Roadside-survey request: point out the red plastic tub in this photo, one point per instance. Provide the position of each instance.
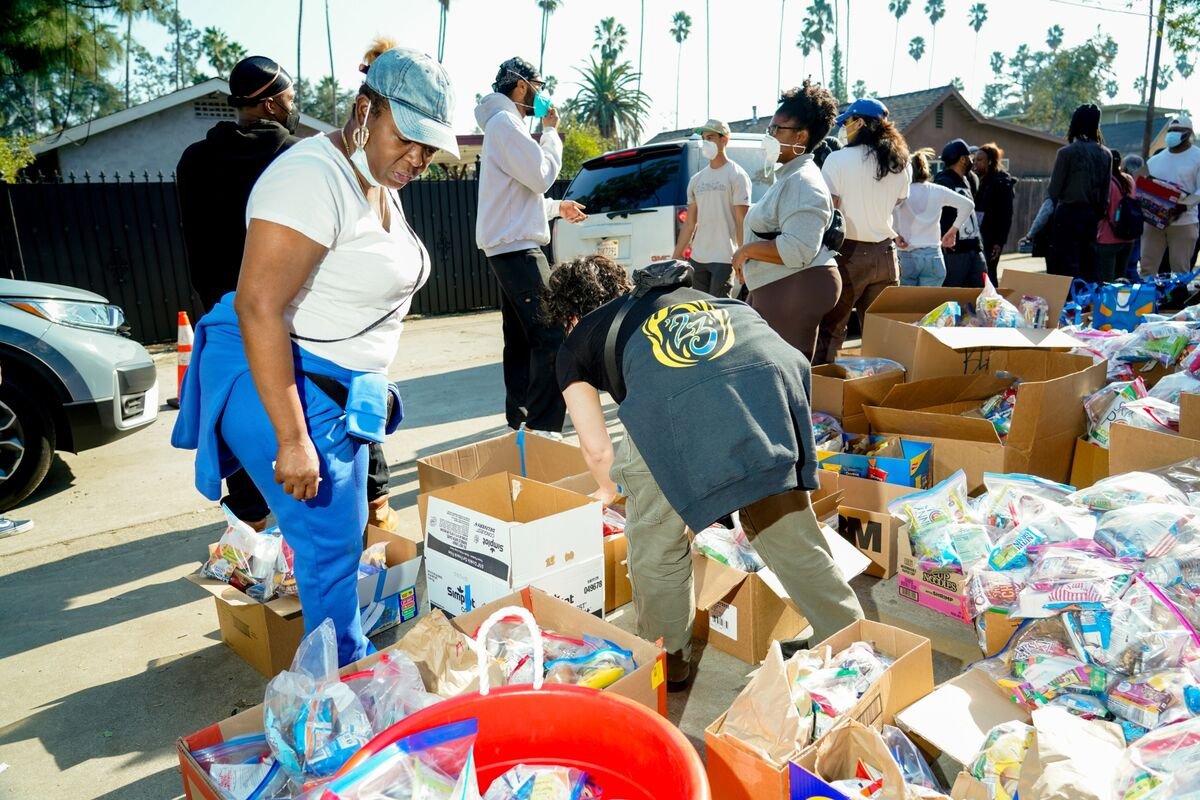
(630, 752)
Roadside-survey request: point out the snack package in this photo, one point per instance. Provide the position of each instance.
(1161, 342)
(248, 560)
(1011, 551)
(1141, 632)
(1162, 765)
(863, 367)
(947, 315)
(1013, 498)
(998, 764)
(728, 547)
(1104, 407)
(1151, 700)
(998, 409)
(992, 590)
(1178, 568)
(926, 511)
(597, 670)
(1128, 489)
(828, 432)
(1150, 413)
(435, 764)
(1148, 530)
(993, 311)
(1035, 312)
(1076, 575)
(1171, 386)
(524, 782)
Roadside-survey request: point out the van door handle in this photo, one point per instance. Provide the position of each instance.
(615, 214)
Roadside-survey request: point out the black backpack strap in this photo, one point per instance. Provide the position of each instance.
(661, 275)
(616, 380)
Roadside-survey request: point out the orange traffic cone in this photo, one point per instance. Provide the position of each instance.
(183, 350)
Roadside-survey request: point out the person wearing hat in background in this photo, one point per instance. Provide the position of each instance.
(1179, 163)
(965, 264)
(718, 199)
(214, 178)
(993, 204)
(289, 376)
(1079, 189)
(513, 224)
(868, 179)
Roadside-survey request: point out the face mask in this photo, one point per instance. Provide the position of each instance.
(359, 157)
(1175, 138)
(846, 136)
(708, 149)
(771, 149)
(293, 120)
(541, 104)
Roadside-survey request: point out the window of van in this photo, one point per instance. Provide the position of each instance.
(646, 177)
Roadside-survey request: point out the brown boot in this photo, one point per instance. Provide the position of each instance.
(381, 515)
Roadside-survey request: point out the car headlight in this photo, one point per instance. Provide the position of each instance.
(93, 316)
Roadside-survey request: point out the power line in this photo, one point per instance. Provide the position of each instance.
(1096, 7)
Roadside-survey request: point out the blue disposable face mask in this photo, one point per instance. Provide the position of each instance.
(541, 100)
(1175, 138)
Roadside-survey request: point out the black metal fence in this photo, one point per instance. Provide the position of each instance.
(120, 236)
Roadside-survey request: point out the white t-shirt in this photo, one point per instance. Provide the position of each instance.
(1184, 169)
(367, 271)
(715, 192)
(867, 203)
(919, 218)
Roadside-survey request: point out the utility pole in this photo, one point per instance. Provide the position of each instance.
(299, 28)
(1147, 132)
(707, 62)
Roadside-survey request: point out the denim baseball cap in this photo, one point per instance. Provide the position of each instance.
(867, 108)
(420, 95)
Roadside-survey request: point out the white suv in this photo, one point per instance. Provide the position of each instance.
(636, 199)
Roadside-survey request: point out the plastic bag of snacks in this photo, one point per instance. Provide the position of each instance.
(243, 767)
(947, 315)
(1152, 700)
(993, 311)
(863, 367)
(1148, 530)
(933, 508)
(524, 782)
(435, 764)
(1162, 765)
(583, 661)
(912, 763)
(827, 431)
(1152, 414)
(314, 722)
(1011, 498)
(728, 547)
(596, 670)
(998, 765)
(1104, 407)
(1163, 342)
(1128, 489)
(998, 410)
(1141, 632)
(1000, 591)
(1171, 386)
(253, 562)
(393, 692)
(1035, 311)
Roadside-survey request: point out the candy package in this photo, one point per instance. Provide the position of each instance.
(1104, 407)
(998, 764)
(992, 590)
(728, 547)
(1148, 530)
(1161, 342)
(1012, 549)
(1151, 414)
(435, 764)
(828, 432)
(597, 670)
(993, 311)
(947, 315)
(863, 367)
(1151, 700)
(1012, 498)
(933, 508)
(1035, 311)
(1162, 765)
(524, 782)
(1171, 386)
(248, 560)
(1128, 489)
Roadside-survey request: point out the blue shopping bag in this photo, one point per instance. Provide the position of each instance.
(1123, 306)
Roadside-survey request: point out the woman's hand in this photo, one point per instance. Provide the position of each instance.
(740, 257)
(572, 211)
(901, 242)
(297, 468)
(607, 494)
(950, 239)
(995, 251)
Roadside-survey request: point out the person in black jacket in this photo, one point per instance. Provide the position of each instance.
(993, 204)
(965, 265)
(1079, 189)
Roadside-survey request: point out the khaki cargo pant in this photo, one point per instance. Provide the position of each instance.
(782, 528)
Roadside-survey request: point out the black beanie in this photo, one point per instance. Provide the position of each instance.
(256, 78)
(1086, 118)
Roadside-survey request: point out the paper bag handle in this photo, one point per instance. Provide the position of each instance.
(481, 645)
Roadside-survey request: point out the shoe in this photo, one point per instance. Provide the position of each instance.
(679, 672)
(382, 516)
(11, 527)
(792, 646)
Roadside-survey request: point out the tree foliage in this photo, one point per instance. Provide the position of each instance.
(916, 48)
(15, 155)
(837, 78)
(611, 39)
(610, 100)
(581, 142)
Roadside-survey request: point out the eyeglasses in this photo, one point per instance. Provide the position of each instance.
(774, 129)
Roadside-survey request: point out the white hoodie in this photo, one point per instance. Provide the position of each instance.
(514, 175)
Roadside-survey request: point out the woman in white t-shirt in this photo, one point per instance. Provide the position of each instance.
(918, 225)
(289, 377)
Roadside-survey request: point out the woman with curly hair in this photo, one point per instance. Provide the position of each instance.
(662, 351)
(792, 277)
(868, 179)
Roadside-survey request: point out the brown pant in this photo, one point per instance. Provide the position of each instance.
(867, 269)
(794, 306)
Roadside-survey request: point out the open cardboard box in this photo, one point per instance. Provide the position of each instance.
(521, 453)
(864, 521)
(1047, 419)
(834, 393)
(737, 773)
(266, 635)
(1089, 465)
(890, 330)
(912, 468)
(645, 685)
(1133, 449)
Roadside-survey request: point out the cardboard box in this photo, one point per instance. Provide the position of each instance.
(956, 717)
(1133, 449)
(454, 588)
(1089, 465)
(541, 459)
(889, 331)
(736, 773)
(995, 629)
(864, 521)
(843, 397)
(1189, 416)
(1047, 419)
(646, 685)
(940, 590)
(913, 470)
(266, 635)
(618, 590)
(504, 530)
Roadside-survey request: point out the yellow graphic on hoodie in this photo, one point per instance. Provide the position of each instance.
(684, 335)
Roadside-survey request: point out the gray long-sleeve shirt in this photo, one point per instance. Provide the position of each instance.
(1081, 173)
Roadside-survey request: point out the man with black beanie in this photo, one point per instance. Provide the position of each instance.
(1079, 189)
(965, 265)
(214, 178)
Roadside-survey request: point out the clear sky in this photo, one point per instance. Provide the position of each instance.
(744, 44)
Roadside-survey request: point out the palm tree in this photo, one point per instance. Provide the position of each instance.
(935, 10)
(681, 28)
(1185, 69)
(814, 36)
(916, 48)
(1054, 38)
(611, 38)
(299, 24)
(976, 16)
(222, 52)
(609, 99)
(898, 9)
(548, 7)
(131, 10)
(805, 43)
(334, 119)
(444, 12)
(817, 24)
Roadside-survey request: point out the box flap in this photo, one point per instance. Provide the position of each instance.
(1053, 288)
(283, 606)
(995, 338)
(1133, 449)
(919, 299)
(713, 581)
(936, 392)
(869, 495)
(933, 425)
(957, 716)
(1189, 416)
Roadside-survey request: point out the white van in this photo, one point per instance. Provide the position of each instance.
(636, 199)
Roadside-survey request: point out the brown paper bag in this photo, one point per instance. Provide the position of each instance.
(764, 718)
(1071, 758)
(445, 657)
(843, 747)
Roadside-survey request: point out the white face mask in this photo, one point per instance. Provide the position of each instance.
(359, 157)
(771, 149)
(708, 149)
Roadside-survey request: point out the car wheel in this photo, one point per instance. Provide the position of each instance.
(26, 445)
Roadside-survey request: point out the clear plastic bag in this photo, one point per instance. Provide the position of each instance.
(1151, 414)
(1162, 342)
(828, 432)
(614, 520)
(1058, 565)
(597, 670)
(1171, 386)
(373, 560)
(863, 367)
(1128, 489)
(1152, 700)
(912, 764)
(1012, 498)
(941, 505)
(729, 547)
(993, 311)
(866, 662)
(998, 764)
(947, 315)
(1011, 551)
(992, 590)
(1141, 632)
(1149, 530)
(1104, 407)
(1035, 311)
(247, 560)
(436, 764)
(524, 782)
(1162, 765)
(394, 692)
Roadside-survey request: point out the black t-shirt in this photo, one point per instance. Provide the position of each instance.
(581, 357)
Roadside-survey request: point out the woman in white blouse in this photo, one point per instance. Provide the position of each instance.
(289, 377)
(918, 225)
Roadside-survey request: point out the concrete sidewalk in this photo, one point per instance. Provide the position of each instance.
(107, 654)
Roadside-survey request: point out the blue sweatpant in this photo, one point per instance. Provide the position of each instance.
(325, 532)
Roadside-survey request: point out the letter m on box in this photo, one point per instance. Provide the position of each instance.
(867, 536)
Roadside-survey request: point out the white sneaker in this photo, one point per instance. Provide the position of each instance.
(11, 527)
